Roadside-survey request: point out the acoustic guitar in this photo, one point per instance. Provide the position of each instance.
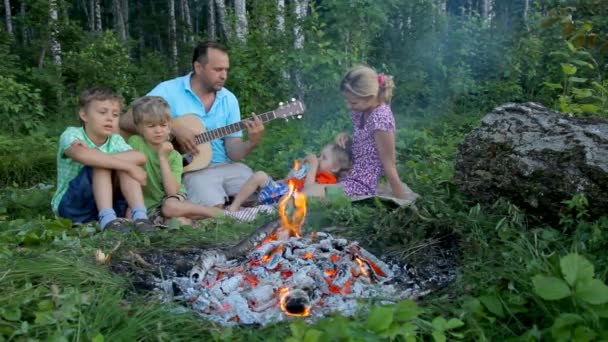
(204, 137)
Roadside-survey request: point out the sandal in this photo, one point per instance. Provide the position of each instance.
(144, 226)
(118, 225)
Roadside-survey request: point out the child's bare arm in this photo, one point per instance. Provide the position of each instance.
(170, 184)
(313, 166)
(385, 143)
(131, 156)
(83, 154)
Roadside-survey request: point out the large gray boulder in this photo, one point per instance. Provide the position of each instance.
(536, 158)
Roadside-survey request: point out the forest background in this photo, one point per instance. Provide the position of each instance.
(452, 61)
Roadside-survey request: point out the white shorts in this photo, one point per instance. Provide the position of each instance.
(212, 185)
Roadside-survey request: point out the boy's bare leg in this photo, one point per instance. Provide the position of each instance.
(102, 188)
(255, 182)
(131, 190)
(172, 207)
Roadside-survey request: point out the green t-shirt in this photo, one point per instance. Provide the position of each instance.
(154, 190)
(68, 169)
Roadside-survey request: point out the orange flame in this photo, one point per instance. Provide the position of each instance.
(293, 221)
(308, 255)
(362, 266)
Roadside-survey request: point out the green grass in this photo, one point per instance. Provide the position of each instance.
(52, 289)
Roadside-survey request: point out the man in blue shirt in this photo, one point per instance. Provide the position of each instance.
(202, 92)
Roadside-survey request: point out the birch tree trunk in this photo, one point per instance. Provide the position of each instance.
(55, 45)
(98, 27)
(526, 8)
(221, 11)
(301, 8)
(211, 32)
(281, 15)
(25, 37)
(485, 9)
(240, 10)
(187, 20)
(9, 19)
(173, 35)
(125, 17)
(119, 23)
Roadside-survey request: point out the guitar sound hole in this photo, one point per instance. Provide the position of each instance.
(187, 159)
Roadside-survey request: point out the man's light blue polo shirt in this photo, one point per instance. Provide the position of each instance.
(182, 100)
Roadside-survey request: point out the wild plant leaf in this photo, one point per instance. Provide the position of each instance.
(11, 313)
(568, 69)
(439, 323)
(582, 63)
(312, 335)
(550, 288)
(577, 79)
(439, 336)
(98, 338)
(406, 310)
(576, 268)
(553, 85)
(380, 318)
(493, 304)
(593, 291)
(453, 323)
(584, 333)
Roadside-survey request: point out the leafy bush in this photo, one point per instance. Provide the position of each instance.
(28, 162)
(20, 106)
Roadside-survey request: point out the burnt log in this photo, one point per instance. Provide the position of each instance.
(536, 158)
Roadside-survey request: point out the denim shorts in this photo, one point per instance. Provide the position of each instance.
(272, 192)
(78, 202)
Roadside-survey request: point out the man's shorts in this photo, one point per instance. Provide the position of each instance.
(272, 191)
(155, 214)
(78, 202)
(214, 184)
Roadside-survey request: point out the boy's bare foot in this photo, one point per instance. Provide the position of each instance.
(233, 208)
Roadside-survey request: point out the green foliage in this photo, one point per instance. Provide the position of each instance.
(20, 107)
(27, 160)
(101, 60)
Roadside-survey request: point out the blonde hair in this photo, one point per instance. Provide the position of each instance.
(150, 109)
(342, 156)
(363, 81)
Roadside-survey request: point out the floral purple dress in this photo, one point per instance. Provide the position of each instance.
(367, 167)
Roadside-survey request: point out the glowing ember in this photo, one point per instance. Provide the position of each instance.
(295, 302)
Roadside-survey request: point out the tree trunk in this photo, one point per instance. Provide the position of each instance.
(55, 45)
(119, 23)
(187, 20)
(301, 9)
(98, 27)
(140, 27)
(485, 9)
(173, 35)
(281, 15)
(526, 8)
(125, 16)
(221, 11)
(240, 10)
(9, 19)
(211, 32)
(25, 37)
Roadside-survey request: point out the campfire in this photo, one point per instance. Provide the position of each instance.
(278, 272)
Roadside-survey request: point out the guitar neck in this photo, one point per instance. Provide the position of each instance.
(221, 132)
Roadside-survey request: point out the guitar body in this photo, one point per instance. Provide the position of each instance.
(203, 137)
(203, 158)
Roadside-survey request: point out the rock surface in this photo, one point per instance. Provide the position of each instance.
(536, 158)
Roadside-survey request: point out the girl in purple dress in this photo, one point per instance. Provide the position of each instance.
(368, 95)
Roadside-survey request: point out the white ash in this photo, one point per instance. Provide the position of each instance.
(332, 274)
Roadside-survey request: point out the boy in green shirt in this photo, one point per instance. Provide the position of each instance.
(98, 175)
(164, 194)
